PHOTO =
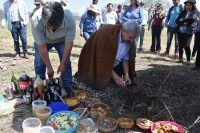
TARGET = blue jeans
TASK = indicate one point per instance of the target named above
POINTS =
(19, 30)
(170, 32)
(86, 35)
(40, 67)
(135, 45)
(142, 31)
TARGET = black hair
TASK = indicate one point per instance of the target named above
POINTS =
(109, 4)
(52, 14)
(119, 6)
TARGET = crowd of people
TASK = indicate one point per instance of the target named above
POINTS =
(112, 37)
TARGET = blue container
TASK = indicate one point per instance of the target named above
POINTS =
(58, 106)
(70, 130)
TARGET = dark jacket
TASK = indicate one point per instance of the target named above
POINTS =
(188, 23)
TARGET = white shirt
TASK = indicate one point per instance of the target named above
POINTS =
(110, 17)
(145, 20)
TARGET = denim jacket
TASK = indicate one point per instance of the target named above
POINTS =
(23, 12)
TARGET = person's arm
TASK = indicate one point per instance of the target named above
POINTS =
(118, 80)
(141, 14)
(167, 18)
(26, 21)
(81, 24)
(5, 11)
(124, 16)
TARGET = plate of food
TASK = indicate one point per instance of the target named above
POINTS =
(64, 121)
(166, 127)
(107, 125)
(82, 95)
(99, 110)
(125, 123)
(72, 102)
(144, 123)
(92, 101)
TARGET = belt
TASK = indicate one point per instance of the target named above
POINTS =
(16, 22)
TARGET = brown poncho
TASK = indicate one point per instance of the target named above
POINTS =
(98, 55)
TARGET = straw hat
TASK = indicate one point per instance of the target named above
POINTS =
(94, 8)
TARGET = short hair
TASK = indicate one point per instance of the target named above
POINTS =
(119, 6)
(131, 26)
(52, 14)
(109, 4)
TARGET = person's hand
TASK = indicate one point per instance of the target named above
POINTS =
(120, 81)
(81, 33)
(61, 69)
(127, 79)
(50, 72)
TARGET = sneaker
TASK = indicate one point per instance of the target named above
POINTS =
(26, 56)
(16, 57)
(165, 53)
(187, 62)
(195, 68)
(180, 60)
(176, 55)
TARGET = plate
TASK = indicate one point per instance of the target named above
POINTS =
(125, 123)
(144, 123)
(82, 95)
(107, 125)
(166, 127)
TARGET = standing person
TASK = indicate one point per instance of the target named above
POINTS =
(119, 14)
(196, 40)
(110, 16)
(144, 22)
(186, 28)
(88, 22)
(170, 23)
(17, 17)
(125, 7)
(99, 17)
(54, 27)
(134, 12)
(156, 28)
(38, 4)
(197, 47)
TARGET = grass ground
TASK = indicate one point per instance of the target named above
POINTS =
(161, 78)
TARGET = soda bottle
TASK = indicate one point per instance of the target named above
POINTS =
(58, 89)
(46, 93)
(51, 89)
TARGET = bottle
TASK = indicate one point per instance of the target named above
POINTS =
(30, 89)
(28, 98)
(46, 92)
(58, 89)
(52, 88)
(35, 95)
(15, 87)
(9, 92)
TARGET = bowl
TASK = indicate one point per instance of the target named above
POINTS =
(144, 123)
(43, 114)
(58, 106)
(80, 111)
(72, 102)
(166, 126)
(31, 125)
(64, 121)
(99, 110)
(125, 123)
(107, 125)
(37, 104)
(46, 129)
(82, 95)
(87, 126)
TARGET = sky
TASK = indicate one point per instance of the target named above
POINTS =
(79, 6)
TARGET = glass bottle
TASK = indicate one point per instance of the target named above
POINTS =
(46, 92)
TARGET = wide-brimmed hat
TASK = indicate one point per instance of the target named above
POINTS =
(94, 8)
(190, 1)
(64, 1)
(38, 1)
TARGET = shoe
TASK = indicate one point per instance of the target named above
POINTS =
(176, 55)
(187, 62)
(16, 57)
(195, 68)
(26, 56)
(180, 60)
(165, 53)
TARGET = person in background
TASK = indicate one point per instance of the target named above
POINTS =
(156, 28)
(17, 17)
(134, 12)
(38, 4)
(186, 28)
(197, 47)
(88, 22)
(125, 7)
(196, 39)
(170, 23)
(110, 16)
(119, 14)
(54, 27)
(99, 20)
(108, 54)
(144, 22)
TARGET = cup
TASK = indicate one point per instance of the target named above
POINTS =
(43, 114)
(31, 125)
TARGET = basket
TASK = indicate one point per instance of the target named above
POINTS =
(125, 123)
(144, 123)
(107, 125)
(99, 110)
(82, 95)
